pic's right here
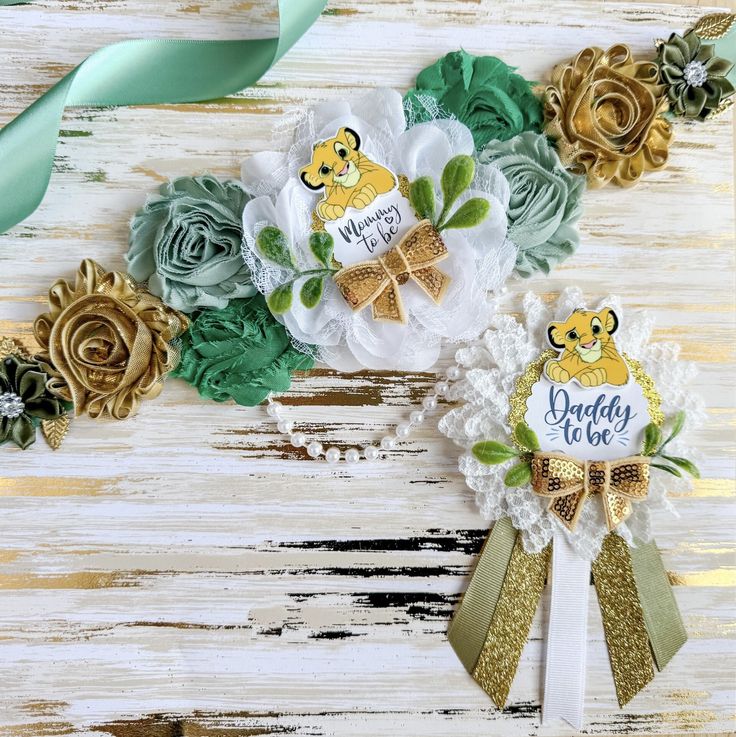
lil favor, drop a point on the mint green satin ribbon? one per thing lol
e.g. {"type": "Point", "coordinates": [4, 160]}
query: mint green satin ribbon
{"type": "Point", "coordinates": [134, 73]}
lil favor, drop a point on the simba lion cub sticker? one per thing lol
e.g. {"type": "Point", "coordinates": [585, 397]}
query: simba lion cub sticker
{"type": "Point", "coordinates": [589, 354]}
{"type": "Point", "coordinates": [347, 176]}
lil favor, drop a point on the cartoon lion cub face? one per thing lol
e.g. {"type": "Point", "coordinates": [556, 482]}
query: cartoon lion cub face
{"type": "Point", "coordinates": [589, 353]}
{"type": "Point", "coordinates": [349, 178]}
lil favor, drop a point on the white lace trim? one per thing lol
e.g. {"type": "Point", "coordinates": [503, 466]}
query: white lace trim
{"type": "Point", "coordinates": [493, 364]}
{"type": "Point", "coordinates": [481, 259]}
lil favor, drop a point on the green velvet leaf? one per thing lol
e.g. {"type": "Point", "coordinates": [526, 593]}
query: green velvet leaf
{"type": "Point", "coordinates": [272, 244]}
{"type": "Point", "coordinates": [471, 213]}
{"type": "Point", "coordinates": [456, 178]}
{"type": "Point", "coordinates": [518, 475]}
{"type": "Point", "coordinates": [279, 301]}
{"type": "Point", "coordinates": [684, 464]}
{"type": "Point", "coordinates": [527, 437]}
{"type": "Point", "coordinates": [322, 245]}
{"type": "Point", "coordinates": [421, 196]}
{"type": "Point", "coordinates": [652, 437]}
{"type": "Point", "coordinates": [311, 291]}
{"type": "Point", "coordinates": [678, 422]}
{"type": "Point", "coordinates": [491, 453]}
{"type": "Point", "coordinates": [669, 469]}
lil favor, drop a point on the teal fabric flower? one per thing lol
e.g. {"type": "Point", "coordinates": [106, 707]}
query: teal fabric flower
{"type": "Point", "coordinates": [695, 77]}
{"type": "Point", "coordinates": [187, 244]}
{"type": "Point", "coordinates": [545, 201]}
{"type": "Point", "coordinates": [24, 400]}
{"type": "Point", "coordinates": [482, 92]}
{"type": "Point", "coordinates": [240, 352]}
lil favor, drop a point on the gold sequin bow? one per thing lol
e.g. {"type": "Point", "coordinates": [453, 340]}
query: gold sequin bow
{"type": "Point", "coordinates": [569, 482]}
{"type": "Point", "coordinates": [377, 282]}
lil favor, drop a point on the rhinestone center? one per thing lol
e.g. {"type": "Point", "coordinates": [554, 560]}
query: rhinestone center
{"type": "Point", "coordinates": [695, 73]}
{"type": "Point", "coordinates": [11, 405]}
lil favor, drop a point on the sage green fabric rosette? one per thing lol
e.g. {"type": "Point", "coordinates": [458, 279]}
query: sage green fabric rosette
{"type": "Point", "coordinates": [24, 400]}
{"type": "Point", "coordinates": [545, 202]}
{"type": "Point", "coordinates": [695, 77]}
{"type": "Point", "coordinates": [186, 243]}
{"type": "Point", "coordinates": [482, 92]}
{"type": "Point", "coordinates": [240, 352]}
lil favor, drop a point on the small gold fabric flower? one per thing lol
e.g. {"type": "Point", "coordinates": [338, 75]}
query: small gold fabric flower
{"type": "Point", "coordinates": [603, 110]}
{"type": "Point", "coordinates": [105, 342]}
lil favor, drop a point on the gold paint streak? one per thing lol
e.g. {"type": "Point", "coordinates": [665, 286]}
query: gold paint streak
{"type": "Point", "coordinates": [251, 105]}
{"type": "Point", "coordinates": [150, 173]}
{"type": "Point", "coordinates": [45, 729]}
{"type": "Point", "coordinates": [688, 720]}
{"type": "Point", "coordinates": [8, 556]}
{"type": "Point", "coordinates": [194, 725]}
{"type": "Point", "coordinates": [710, 628]}
{"type": "Point", "coordinates": [44, 708]}
{"type": "Point", "coordinates": [77, 580]}
{"type": "Point", "coordinates": [687, 696]}
{"type": "Point", "coordinates": [38, 486]}
{"type": "Point", "coordinates": [709, 488]}
{"type": "Point", "coordinates": [722, 577]}
{"type": "Point", "coordinates": [22, 300]}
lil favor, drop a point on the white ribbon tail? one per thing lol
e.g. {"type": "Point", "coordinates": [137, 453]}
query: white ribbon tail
{"type": "Point", "coordinates": [564, 679]}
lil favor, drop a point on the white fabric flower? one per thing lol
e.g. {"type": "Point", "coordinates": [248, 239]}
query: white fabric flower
{"type": "Point", "coordinates": [480, 259]}
{"type": "Point", "coordinates": [494, 363]}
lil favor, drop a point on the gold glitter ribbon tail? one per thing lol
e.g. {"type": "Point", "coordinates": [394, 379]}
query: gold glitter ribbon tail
{"type": "Point", "coordinates": [512, 618]}
{"type": "Point", "coordinates": [623, 619]}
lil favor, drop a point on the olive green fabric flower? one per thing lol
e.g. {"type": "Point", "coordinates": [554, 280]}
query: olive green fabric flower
{"type": "Point", "coordinates": [482, 92]}
{"type": "Point", "coordinates": [187, 244]}
{"type": "Point", "coordinates": [240, 352]}
{"type": "Point", "coordinates": [545, 202]}
{"type": "Point", "coordinates": [694, 75]}
{"type": "Point", "coordinates": [24, 400]}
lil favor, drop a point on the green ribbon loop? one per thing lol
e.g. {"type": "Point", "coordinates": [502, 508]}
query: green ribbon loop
{"type": "Point", "coordinates": [136, 72]}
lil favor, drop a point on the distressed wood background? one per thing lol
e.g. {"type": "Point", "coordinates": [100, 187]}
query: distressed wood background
{"type": "Point", "coordinates": [188, 573]}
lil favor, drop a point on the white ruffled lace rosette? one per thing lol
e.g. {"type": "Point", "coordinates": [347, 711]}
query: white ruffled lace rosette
{"type": "Point", "coordinates": [480, 259]}
{"type": "Point", "coordinates": [492, 366]}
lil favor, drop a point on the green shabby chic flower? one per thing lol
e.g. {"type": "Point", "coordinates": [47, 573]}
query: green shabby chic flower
{"type": "Point", "coordinates": [24, 400]}
{"type": "Point", "coordinates": [187, 244]}
{"type": "Point", "coordinates": [240, 352]}
{"type": "Point", "coordinates": [695, 77]}
{"type": "Point", "coordinates": [482, 92]}
{"type": "Point", "coordinates": [545, 201]}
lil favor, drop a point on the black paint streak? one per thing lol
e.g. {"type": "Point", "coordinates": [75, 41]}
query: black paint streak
{"type": "Point", "coordinates": [335, 635]}
{"type": "Point", "coordinates": [417, 605]}
{"type": "Point", "coordinates": [467, 542]}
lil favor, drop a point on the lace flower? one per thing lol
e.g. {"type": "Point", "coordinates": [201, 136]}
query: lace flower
{"type": "Point", "coordinates": [494, 363]}
{"type": "Point", "coordinates": [480, 259]}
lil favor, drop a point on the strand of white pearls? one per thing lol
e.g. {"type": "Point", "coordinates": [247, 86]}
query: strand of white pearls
{"type": "Point", "coordinates": [351, 456]}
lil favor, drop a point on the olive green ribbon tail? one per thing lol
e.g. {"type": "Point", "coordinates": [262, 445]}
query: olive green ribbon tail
{"type": "Point", "coordinates": [137, 72]}
{"type": "Point", "coordinates": [493, 620]}
{"type": "Point", "coordinates": [662, 618]}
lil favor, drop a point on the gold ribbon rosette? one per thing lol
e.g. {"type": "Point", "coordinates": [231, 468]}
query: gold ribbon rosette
{"type": "Point", "coordinates": [568, 482]}
{"type": "Point", "coordinates": [376, 282]}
